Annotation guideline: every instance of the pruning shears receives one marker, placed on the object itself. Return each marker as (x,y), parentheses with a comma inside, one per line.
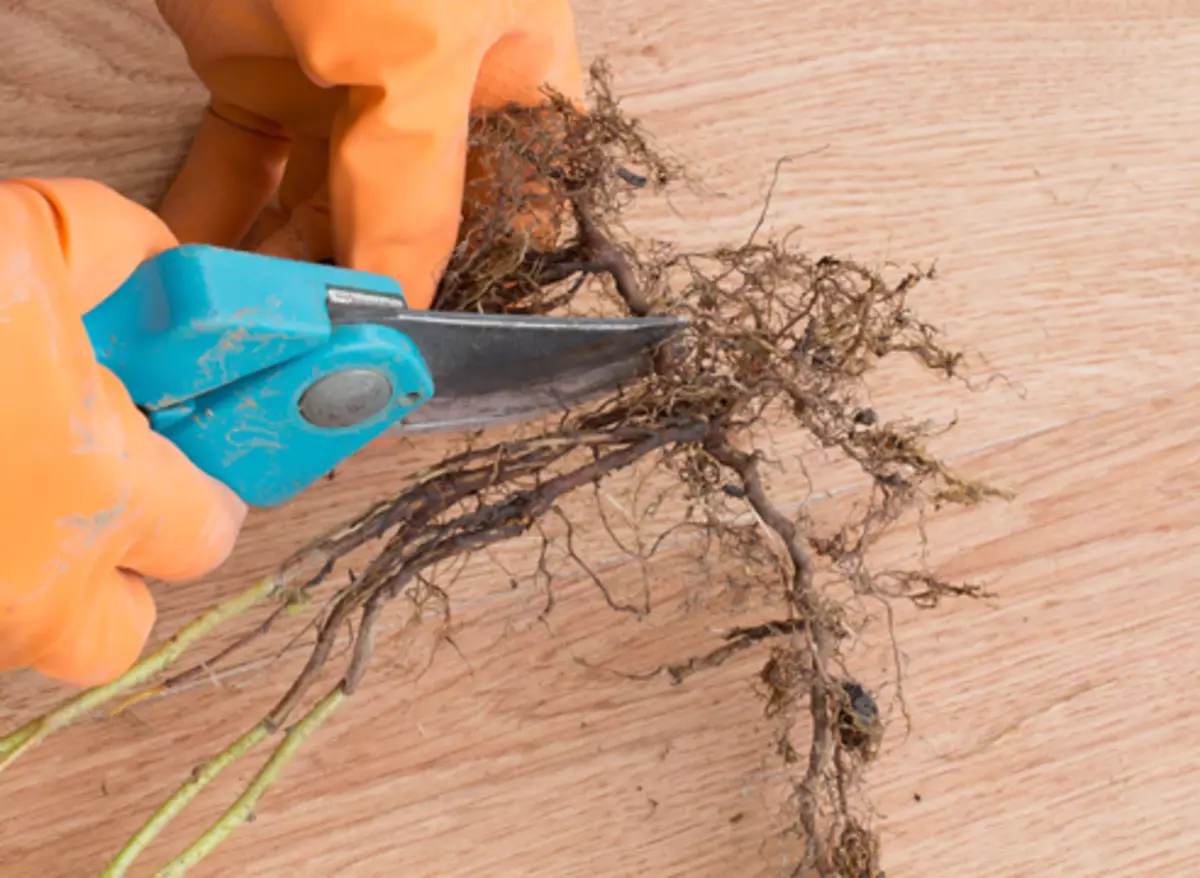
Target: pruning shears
(269,372)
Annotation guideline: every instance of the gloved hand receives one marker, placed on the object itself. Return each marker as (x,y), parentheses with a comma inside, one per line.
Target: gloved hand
(90,497)
(367,104)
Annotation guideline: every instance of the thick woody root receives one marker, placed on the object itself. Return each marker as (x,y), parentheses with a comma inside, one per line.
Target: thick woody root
(776,338)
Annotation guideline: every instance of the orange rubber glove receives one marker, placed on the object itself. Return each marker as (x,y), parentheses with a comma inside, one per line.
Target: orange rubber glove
(366,103)
(91,497)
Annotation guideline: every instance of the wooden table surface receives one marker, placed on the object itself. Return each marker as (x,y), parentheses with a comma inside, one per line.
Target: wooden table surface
(1047,155)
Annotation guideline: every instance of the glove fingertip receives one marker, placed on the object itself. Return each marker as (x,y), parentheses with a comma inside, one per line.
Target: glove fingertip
(107,637)
(192,520)
(219,534)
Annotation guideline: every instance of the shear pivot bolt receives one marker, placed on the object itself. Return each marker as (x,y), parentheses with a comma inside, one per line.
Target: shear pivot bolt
(346,398)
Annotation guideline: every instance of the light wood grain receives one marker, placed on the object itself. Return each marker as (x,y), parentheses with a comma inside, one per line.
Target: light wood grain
(1048,157)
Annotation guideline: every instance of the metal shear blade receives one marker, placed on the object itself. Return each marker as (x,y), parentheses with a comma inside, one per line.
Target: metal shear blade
(491,370)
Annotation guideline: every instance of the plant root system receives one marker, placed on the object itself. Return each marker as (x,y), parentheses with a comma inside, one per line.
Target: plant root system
(777,341)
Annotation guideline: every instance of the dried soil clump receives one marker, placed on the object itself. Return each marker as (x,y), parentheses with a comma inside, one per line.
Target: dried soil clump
(545,185)
(778,341)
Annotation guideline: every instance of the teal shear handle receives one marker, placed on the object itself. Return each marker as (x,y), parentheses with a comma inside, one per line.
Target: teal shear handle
(234,358)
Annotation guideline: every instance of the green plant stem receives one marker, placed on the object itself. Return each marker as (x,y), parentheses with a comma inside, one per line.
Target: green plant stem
(187,791)
(32,733)
(241,810)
